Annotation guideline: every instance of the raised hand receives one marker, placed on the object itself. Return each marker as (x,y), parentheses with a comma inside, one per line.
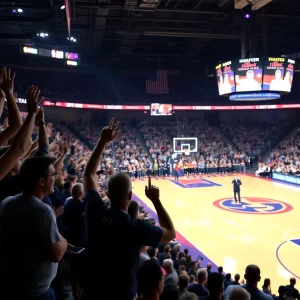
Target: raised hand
(109,132)
(151,191)
(33,100)
(40,117)
(7,84)
(66,147)
(49,129)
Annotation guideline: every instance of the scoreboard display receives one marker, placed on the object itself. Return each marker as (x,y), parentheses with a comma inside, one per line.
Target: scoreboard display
(246,75)
(71,59)
(225,77)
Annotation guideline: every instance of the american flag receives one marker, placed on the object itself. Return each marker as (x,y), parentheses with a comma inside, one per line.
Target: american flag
(157,82)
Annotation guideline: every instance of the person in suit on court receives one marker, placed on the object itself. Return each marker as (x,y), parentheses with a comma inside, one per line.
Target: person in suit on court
(236,188)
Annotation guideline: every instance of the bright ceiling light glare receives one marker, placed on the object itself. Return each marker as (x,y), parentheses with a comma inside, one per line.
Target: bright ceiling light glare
(20,10)
(62,7)
(72,39)
(43,34)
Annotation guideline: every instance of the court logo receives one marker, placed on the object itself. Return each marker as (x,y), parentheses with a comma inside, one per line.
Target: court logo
(252,205)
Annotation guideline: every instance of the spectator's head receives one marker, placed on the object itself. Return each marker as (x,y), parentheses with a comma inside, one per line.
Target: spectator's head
(282,291)
(181,269)
(201,276)
(220,269)
(143,249)
(237,277)
(194,265)
(188,296)
(177,247)
(72,178)
(152,252)
(167,248)
(180,255)
(168,265)
(77,191)
(267,283)
(183,281)
(292,281)
(228,276)
(170,292)
(133,210)
(252,275)
(182,261)
(192,278)
(119,190)
(238,293)
(150,279)
(37,176)
(68,186)
(208,266)
(186,251)
(215,285)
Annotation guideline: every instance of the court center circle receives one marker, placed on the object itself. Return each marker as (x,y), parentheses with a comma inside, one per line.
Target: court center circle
(253,205)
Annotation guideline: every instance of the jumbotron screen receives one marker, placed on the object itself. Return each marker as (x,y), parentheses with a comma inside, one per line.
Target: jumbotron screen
(255,74)
(158,109)
(225,77)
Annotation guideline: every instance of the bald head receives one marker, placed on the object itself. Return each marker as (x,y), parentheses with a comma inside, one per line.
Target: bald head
(119,189)
(252,274)
(77,191)
(238,293)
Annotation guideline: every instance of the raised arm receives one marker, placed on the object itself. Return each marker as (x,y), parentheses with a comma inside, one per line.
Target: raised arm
(22,141)
(14,116)
(43,140)
(58,164)
(169,233)
(108,134)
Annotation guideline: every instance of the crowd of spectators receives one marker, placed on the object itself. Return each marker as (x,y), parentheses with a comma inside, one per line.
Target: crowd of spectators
(285,159)
(253,139)
(66,213)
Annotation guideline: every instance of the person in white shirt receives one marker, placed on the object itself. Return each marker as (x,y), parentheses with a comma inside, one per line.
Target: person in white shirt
(248,84)
(277,84)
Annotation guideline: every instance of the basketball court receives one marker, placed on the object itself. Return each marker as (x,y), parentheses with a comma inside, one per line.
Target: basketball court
(264,229)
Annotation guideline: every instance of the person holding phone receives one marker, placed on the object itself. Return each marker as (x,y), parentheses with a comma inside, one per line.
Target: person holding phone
(111,230)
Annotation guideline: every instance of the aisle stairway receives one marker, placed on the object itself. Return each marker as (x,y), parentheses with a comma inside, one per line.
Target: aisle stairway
(135,132)
(291,131)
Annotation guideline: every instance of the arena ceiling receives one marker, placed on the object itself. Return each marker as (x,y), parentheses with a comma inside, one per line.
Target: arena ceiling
(145,33)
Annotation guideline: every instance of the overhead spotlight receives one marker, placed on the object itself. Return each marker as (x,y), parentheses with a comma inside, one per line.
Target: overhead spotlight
(247,16)
(63,7)
(20,10)
(72,39)
(43,34)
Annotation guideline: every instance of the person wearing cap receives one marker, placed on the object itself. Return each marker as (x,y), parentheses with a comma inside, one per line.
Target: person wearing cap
(150,279)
